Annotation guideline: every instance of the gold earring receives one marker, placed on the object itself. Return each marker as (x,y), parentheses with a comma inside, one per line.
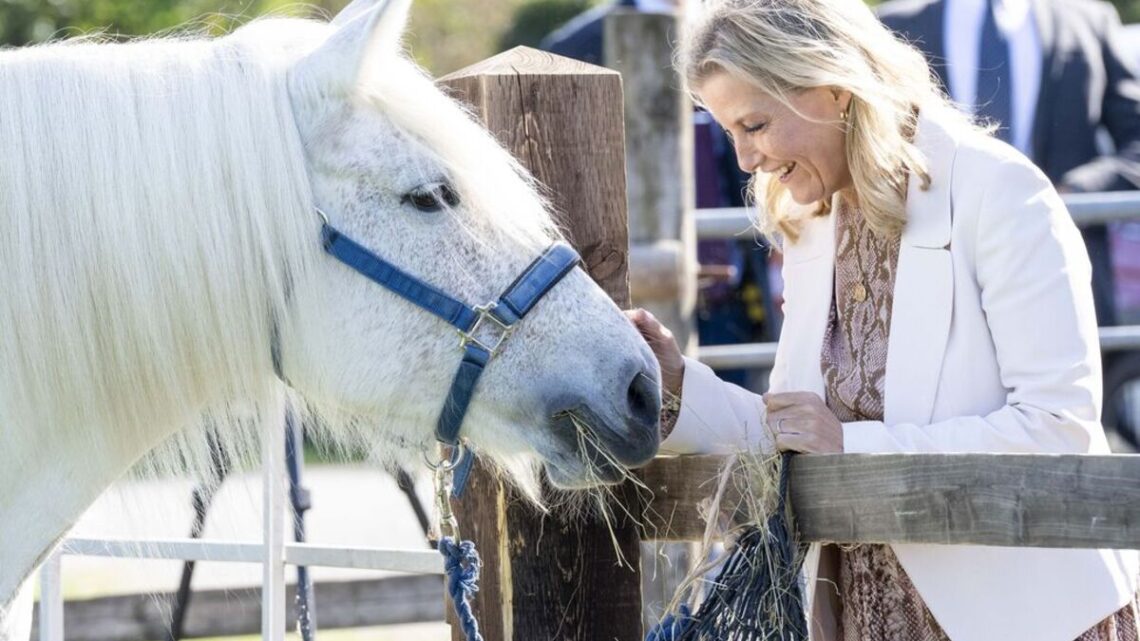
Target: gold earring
(843,114)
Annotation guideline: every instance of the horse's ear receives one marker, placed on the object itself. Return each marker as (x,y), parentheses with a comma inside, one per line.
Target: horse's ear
(368,33)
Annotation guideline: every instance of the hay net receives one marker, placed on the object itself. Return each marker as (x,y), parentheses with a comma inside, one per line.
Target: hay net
(757,592)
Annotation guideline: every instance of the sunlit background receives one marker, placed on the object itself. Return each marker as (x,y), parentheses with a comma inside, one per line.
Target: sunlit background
(445,35)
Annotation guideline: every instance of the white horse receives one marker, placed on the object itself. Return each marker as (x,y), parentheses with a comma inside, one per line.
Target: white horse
(161,242)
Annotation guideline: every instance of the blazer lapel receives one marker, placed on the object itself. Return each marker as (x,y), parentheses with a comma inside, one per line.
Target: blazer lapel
(1047,36)
(924,286)
(809,272)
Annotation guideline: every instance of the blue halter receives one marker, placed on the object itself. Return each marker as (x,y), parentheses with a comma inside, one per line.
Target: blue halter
(497,318)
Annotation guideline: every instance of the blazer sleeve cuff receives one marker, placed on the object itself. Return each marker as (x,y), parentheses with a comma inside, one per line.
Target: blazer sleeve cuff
(866,437)
(716,417)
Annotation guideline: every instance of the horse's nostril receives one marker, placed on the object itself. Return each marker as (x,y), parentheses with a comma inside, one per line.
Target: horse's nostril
(644,399)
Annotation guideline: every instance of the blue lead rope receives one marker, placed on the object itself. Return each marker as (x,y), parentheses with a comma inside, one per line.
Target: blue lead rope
(461,563)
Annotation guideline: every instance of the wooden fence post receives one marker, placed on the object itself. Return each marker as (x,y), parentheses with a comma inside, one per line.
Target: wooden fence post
(544,579)
(659,167)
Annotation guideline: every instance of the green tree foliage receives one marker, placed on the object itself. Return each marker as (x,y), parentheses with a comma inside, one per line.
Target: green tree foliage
(533,20)
(1129,10)
(32,21)
(445,34)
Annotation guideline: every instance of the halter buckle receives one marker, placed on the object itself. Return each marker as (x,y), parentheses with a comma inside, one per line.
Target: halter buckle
(483,313)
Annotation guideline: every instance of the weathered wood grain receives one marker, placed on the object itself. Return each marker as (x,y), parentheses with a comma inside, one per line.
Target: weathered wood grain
(1062,501)
(678,485)
(985,499)
(563,121)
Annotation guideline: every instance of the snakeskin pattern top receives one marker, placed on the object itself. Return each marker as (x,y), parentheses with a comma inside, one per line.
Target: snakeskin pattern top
(855,344)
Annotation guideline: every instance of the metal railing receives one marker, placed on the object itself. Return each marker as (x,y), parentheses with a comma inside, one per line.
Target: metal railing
(1086,209)
(274,553)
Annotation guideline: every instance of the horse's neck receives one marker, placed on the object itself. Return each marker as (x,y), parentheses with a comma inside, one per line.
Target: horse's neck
(16,615)
(48,481)
(44,489)
(52,490)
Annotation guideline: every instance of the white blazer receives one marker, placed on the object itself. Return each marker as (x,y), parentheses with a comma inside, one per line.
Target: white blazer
(993,348)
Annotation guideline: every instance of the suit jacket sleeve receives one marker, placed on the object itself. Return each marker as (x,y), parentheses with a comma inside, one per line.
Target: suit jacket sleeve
(716,417)
(1120,114)
(1034,275)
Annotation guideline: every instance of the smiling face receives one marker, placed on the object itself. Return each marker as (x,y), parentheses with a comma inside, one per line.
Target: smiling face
(803,147)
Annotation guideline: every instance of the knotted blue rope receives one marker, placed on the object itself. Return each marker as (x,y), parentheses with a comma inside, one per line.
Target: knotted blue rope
(461,563)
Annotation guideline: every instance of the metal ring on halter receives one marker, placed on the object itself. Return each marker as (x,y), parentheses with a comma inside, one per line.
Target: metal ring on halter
(323,215)
(458,451)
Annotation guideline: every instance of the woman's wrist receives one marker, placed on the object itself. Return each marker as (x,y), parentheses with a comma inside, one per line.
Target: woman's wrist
(670,411)
(673,378)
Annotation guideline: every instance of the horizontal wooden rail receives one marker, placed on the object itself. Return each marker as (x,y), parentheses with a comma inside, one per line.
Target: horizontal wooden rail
(1062,501)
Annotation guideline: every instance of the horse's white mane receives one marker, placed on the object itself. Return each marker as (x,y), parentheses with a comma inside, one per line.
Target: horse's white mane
(156,209)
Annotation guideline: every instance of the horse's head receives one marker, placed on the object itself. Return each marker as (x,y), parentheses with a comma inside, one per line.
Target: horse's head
(405,172)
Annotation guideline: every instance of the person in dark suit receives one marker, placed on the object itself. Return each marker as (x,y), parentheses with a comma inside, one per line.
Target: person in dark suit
(1051,74)
(581,37)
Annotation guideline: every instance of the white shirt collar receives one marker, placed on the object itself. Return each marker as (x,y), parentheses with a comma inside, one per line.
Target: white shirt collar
(657,6)
(1011,15)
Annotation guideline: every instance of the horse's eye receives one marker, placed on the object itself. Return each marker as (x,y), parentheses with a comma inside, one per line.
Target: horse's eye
(431,197)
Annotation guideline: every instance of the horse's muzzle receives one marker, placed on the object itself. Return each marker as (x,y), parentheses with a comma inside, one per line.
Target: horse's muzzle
(601,444)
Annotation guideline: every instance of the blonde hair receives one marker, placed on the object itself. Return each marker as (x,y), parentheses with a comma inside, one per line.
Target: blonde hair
(786,46)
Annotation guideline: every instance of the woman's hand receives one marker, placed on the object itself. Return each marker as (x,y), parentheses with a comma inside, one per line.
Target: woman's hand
(801,422)
(664,347)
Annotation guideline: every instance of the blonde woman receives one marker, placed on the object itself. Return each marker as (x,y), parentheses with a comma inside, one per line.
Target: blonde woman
(937,299)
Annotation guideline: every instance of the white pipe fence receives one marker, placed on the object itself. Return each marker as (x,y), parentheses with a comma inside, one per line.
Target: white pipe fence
(355,558)
(1086,209)
(274,553)
(728,223)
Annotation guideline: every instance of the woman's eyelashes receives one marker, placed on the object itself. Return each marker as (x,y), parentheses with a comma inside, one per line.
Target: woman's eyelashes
(747,129)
